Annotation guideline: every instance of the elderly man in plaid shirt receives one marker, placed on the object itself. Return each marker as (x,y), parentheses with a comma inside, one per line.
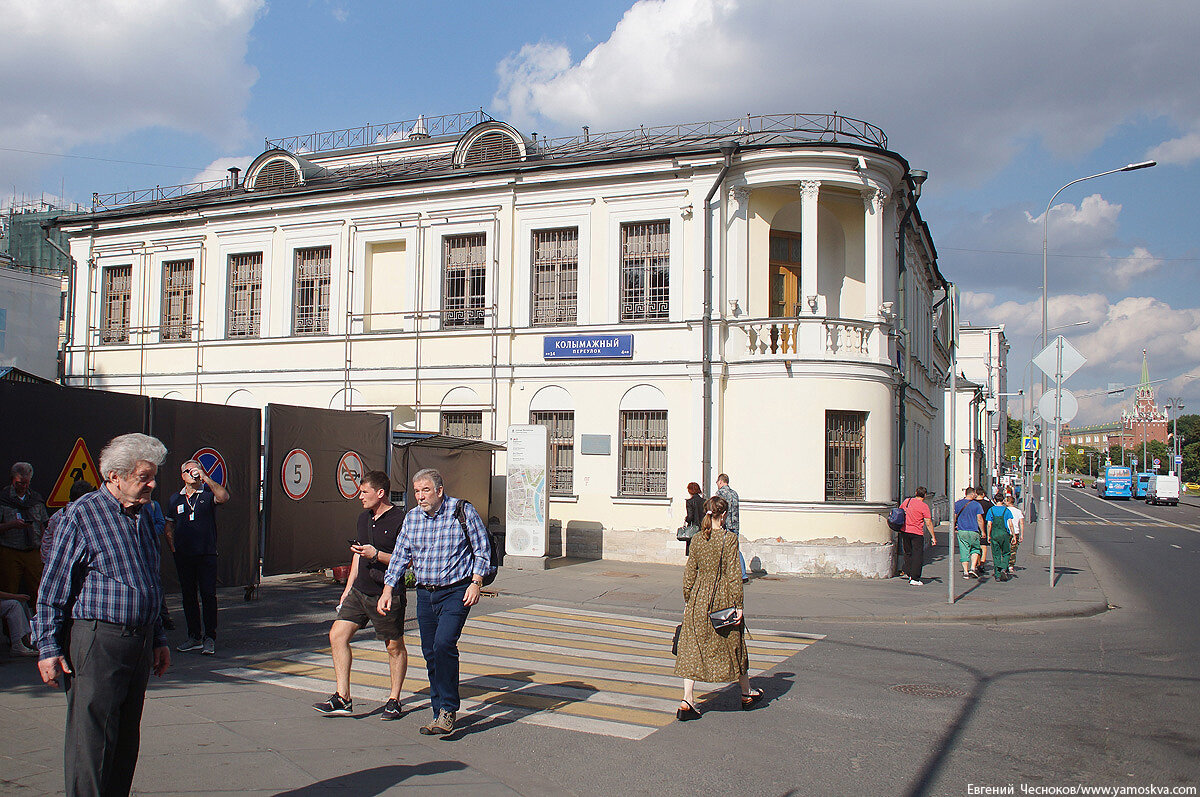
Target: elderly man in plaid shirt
(447,544)
(97,625)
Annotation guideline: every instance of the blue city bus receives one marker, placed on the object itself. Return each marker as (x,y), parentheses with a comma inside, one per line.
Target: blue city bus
(1141,485)
(1118,482)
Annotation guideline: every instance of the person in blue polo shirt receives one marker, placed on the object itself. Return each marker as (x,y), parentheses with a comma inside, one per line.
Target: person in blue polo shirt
(968,522)
(192,536)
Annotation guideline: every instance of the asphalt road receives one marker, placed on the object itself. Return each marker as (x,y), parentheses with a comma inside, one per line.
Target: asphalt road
(884,709)
(1112,700)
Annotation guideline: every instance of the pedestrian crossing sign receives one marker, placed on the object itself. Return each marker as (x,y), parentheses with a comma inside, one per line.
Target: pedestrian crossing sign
(1029,444)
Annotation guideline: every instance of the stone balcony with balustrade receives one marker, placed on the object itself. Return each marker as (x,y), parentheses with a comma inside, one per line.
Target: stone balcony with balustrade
(811,338)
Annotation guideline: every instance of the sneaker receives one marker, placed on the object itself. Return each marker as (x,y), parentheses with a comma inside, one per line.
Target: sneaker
(1002,577)
(914,582)
(210,646)
(443,724)
(972,574)
(335,706)
(191,644)
(391,709)
(1011,570)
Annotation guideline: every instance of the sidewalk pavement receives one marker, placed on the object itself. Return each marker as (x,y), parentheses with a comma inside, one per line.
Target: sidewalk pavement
(205,733)
(659,589)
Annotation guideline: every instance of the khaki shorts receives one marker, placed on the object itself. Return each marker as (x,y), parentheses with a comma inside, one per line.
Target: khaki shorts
(361,609)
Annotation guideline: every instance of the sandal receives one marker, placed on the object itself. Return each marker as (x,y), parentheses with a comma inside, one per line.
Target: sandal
(689,713)
(750,699)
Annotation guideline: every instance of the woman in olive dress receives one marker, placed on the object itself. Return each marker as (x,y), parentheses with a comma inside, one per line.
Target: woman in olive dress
(712,581)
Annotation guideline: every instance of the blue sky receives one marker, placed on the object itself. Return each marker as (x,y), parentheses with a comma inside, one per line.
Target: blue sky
(1002,103)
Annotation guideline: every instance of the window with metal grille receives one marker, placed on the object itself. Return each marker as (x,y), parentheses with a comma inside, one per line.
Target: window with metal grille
(491,147)
(115,299)
(645,271)
(845,459)
(464,289)
(643,452)
(555,276)
(466,424)
(312,290)
(560,434)
(277,174)
(176,315)
(244,306)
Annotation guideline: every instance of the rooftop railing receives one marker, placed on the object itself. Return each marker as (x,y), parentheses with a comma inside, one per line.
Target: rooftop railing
(449,124)
(832,128)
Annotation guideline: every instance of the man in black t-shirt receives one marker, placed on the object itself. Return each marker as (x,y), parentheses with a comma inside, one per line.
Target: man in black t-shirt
(372,548)
(192,535)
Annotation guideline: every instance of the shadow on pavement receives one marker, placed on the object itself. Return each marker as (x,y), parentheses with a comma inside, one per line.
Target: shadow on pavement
(376,780)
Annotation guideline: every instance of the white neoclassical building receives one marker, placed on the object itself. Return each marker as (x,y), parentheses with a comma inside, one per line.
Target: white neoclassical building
(671,302)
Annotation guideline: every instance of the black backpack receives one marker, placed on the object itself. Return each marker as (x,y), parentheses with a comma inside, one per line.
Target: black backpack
(461,516)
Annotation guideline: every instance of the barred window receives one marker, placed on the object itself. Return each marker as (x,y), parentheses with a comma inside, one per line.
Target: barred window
(645,271)
(463,424)
(643,452)
(176,315)
(312,290)
(555,276)
(244,307)
(845,460)
(464,290)
(116,287)
(560,434)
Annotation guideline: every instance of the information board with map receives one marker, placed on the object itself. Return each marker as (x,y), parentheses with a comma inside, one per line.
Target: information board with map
(525,499)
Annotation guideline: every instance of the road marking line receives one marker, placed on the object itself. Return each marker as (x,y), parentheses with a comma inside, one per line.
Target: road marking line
(1132,512)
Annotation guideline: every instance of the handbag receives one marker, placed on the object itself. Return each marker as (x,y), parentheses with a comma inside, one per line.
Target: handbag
(685,533)
(722,619)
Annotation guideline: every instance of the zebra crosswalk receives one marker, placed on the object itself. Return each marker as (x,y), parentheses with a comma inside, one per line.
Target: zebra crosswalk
(575,669)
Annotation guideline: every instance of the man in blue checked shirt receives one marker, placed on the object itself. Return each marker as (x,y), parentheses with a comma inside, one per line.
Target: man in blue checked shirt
(450,563)
(97,624)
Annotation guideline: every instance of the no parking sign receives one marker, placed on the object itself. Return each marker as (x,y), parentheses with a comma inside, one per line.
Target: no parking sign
(214,465)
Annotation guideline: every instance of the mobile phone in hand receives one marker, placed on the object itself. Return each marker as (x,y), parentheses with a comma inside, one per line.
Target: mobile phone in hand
(354,542)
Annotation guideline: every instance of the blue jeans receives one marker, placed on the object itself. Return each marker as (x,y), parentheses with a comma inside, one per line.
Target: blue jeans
(742,559)
(440,617)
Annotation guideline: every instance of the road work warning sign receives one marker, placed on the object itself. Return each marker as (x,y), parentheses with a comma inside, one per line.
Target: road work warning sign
(80,466)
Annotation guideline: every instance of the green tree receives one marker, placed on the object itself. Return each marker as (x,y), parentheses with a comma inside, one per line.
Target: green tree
(1012,445)
(1191,462)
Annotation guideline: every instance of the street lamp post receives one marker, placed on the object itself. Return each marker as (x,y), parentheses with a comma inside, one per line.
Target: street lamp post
(1174,403)
(1044,533)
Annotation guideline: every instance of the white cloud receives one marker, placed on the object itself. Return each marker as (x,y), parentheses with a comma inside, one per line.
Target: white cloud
(88,72)
(1112,341)
(1085,248)
(963,89)
(219,169)
(1177,151)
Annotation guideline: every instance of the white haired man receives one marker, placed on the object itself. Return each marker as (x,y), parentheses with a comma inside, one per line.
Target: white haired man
(97,625)
(447,544)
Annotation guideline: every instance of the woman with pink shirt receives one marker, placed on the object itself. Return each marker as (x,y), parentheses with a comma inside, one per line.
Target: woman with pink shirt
(917,518)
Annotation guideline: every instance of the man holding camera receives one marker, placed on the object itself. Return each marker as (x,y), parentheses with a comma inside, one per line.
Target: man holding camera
(192,536)
(371,549)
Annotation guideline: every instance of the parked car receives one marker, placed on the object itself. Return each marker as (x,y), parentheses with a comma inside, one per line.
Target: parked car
(1077,482)
(1163,490)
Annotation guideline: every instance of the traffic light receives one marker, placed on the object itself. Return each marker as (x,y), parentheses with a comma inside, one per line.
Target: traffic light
(1030,461)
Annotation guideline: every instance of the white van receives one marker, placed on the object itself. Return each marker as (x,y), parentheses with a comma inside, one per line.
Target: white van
(1163,490)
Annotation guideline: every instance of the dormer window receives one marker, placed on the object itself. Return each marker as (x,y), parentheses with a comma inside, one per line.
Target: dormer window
(489,143)
(277,173)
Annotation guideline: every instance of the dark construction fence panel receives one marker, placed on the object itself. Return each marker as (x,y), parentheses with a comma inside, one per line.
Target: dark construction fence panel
(223,439)
(42,423)
(308,517)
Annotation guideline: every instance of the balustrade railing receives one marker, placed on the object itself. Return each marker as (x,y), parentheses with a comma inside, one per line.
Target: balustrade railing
(816,337)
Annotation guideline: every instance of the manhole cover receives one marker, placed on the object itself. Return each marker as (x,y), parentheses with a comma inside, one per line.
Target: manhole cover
(928,690)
